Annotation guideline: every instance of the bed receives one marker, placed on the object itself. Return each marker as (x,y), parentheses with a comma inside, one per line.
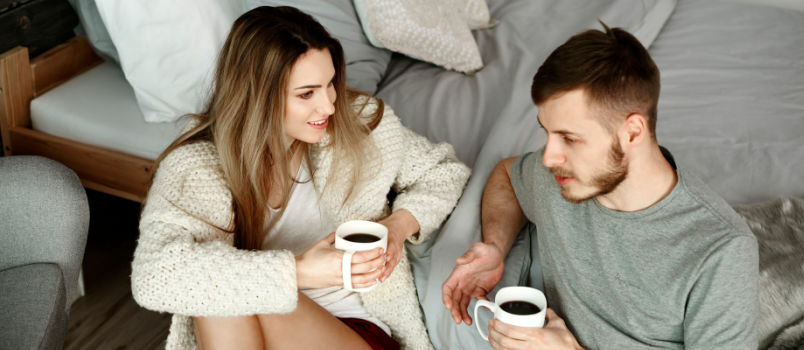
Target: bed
(731,109)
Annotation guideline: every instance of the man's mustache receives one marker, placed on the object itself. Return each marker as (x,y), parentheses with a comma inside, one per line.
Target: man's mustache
(561,172)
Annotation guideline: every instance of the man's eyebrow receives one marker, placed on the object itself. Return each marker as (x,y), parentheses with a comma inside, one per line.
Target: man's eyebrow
(560,132)
(566,133)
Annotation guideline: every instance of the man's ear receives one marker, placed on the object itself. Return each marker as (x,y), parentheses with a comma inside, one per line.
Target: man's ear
(635,129)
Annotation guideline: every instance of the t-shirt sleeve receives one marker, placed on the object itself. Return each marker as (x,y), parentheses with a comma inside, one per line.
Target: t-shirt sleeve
(523,173)
(723,305)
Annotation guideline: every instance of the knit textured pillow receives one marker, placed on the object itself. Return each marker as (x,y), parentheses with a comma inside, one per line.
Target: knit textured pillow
(438,32)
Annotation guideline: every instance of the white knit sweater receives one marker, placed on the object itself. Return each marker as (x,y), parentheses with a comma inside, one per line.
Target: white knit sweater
(185,262)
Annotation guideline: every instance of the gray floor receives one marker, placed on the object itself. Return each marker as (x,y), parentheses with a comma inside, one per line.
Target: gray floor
(107,317)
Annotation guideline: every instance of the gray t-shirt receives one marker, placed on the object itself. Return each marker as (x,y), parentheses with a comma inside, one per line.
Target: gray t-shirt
(682,273)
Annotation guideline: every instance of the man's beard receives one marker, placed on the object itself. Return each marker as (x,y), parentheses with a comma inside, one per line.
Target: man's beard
(605,182)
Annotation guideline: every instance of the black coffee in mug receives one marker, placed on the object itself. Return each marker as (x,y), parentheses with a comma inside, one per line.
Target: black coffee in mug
(361,238)
(520,307)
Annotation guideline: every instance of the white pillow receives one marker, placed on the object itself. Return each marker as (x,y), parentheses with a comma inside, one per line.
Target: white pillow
(438,32)
(94,29)
(168,50)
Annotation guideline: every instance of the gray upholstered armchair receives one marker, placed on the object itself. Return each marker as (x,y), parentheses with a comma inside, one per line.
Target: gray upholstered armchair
(44,219)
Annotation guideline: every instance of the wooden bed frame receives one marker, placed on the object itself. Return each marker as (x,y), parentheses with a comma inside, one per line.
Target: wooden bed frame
(21,80)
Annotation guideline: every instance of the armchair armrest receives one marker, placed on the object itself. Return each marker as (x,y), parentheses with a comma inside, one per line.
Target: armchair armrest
(45,217)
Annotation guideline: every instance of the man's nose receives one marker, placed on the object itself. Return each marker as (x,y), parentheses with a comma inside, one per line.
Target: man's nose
(553,156)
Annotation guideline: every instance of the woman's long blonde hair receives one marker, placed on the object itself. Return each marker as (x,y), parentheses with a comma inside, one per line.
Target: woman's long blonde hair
(245,115)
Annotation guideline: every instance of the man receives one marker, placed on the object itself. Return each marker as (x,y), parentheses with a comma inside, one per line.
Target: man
(635,251)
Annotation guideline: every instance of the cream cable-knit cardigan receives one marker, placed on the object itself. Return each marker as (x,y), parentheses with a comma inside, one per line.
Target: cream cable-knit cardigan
(186,265)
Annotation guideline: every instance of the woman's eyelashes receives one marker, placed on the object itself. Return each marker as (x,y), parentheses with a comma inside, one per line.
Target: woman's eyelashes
(309,94)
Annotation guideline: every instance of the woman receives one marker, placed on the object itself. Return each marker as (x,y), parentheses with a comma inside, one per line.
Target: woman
(236,232)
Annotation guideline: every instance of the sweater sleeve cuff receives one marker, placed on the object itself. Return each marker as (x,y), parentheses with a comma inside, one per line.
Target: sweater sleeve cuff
(288,291)
(427,223)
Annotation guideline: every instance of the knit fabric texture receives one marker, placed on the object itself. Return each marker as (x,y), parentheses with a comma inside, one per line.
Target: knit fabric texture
(185,262)
(438,32)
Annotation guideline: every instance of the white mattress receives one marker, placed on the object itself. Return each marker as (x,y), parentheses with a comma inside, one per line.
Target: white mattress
(98,108)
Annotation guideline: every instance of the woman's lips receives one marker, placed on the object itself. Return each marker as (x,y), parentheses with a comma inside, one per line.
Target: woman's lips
(319,124)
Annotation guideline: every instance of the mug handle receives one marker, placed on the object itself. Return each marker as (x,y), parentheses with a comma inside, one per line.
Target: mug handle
(346,270)
(488,305)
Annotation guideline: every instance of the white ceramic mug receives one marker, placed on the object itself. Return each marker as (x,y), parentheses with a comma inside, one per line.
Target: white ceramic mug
(358,226)
(527,294)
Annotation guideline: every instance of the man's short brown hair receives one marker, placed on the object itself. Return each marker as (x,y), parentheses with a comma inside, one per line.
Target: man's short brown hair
(614,69)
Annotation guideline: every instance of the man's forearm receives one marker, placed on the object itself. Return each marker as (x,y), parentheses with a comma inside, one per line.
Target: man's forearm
(501,216)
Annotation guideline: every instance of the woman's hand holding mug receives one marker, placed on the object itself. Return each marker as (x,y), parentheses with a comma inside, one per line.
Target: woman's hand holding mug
(355,237)
(321,266)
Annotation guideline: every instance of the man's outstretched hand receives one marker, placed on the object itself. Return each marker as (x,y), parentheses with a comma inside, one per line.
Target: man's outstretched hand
(475,274)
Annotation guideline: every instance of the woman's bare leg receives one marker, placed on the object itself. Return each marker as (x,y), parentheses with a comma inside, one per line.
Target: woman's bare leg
(308,327)
(241,332)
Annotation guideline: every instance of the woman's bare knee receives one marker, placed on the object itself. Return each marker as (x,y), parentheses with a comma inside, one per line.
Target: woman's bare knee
(309,326)
(240,332)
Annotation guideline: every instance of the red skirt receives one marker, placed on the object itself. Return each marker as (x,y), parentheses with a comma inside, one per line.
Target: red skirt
(371,333)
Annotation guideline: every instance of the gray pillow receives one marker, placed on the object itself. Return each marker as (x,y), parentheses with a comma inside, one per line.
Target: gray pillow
(365,64)
(94,30)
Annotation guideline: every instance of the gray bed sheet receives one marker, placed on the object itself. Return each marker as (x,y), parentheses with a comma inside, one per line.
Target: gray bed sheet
(462,109)
(731,109)
(732,100)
